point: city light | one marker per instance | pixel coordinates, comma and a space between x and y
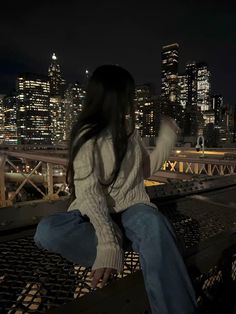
52, 106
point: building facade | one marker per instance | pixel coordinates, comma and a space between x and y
57, 108
183, 90
33, 111
203, 86
10, 125
57, 83
191, 110
217, 106
2, 119
169, 73
57, 116
73, 103
145, 110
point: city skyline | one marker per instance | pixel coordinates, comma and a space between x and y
84, 75
86, 35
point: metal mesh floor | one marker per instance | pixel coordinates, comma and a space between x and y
33, 280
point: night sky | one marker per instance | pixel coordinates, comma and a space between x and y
85, 34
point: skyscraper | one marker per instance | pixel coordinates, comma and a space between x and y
57, 83
191, 112
57, 118
203, 86
2, 118
183, 90
57, 108
10, 126
228, 124
217, 106
169, 73
145, 110
73, 102
33, 114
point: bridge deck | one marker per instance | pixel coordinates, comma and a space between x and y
34, 281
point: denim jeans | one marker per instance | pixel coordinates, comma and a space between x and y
167, 283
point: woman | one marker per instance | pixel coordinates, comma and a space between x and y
107, 167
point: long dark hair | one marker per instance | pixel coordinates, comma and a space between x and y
109, 102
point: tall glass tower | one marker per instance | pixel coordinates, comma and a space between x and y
203, 86
57, 83
57, 108
169, 72
33, 115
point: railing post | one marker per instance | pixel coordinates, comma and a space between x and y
164, 165
196, 168
51, 195
50, 178
209, 170
2, 181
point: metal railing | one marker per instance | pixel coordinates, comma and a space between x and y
210, 167
178, 165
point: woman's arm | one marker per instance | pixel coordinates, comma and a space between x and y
92, 202
164, 144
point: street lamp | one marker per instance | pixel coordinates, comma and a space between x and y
198, 146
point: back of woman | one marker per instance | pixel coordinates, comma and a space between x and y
107, 167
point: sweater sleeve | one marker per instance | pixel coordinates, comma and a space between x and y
164, 144
92, 202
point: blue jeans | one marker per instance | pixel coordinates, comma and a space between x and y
165, 276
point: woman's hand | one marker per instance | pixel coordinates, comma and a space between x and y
171, 123
101, 274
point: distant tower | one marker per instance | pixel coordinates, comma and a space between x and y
203, 86
57, 109
217, 106
191, 112
86, 78
87, 74
73, 102
33, 114
2, 118
57, 83
169, 73
183, 90
145, 110
10, 121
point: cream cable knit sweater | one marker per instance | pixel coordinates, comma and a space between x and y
97, 203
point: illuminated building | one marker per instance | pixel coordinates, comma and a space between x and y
191, 110
217, 106
228, 124
169, 73
209, 116
194, 94
57, 83
10, 126
33, 112
145, 110
73, 103
57, 117
57, 108
2, 118
183, 90
203, 86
